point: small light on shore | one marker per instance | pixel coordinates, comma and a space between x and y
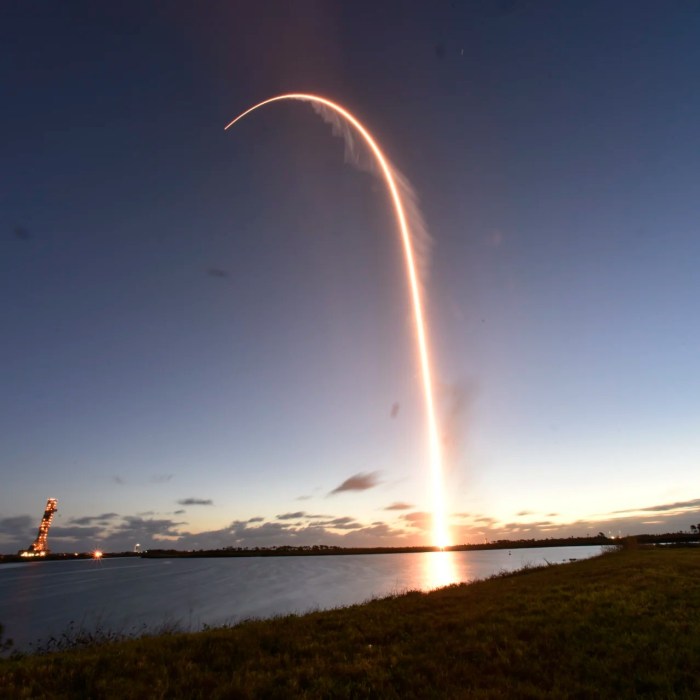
97, 554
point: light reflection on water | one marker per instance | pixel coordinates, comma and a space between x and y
441, 570
40, 599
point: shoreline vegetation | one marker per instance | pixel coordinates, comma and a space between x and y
625, 624
680, 538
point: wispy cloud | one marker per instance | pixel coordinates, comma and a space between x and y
196, 502
300, 514
485, 519
161, 478
358, 482
665, 508
118, 479
476, 517
90, 519
399, 505
344, 523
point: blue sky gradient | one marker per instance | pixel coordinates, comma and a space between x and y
193, 314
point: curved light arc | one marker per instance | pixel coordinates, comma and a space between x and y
440, 533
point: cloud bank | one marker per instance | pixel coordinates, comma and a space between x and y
403, 526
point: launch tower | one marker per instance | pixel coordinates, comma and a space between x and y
38, 548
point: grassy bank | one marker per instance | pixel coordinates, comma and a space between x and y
619, 626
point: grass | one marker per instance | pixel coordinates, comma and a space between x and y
623, 625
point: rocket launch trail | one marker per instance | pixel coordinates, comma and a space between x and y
440, 531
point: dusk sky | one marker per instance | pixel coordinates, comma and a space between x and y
207, 338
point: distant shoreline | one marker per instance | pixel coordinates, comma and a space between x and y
330, 550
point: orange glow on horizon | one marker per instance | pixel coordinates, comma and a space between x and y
440, 531
97, 554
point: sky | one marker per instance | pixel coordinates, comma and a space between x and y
207, 337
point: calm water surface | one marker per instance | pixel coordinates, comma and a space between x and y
40, 599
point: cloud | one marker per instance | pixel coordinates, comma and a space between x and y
196, 502
399, 505
379, 533
344, 523
665, 508
17, 529
358, 482
523, 513
161, 478
89, 519
300, 514
476, 518
656, 519
108, 531
74, 534
118, 479
308, 496
115, 533
136, 529
179, 511
418, 519
342, 531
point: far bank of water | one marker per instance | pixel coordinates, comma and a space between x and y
42, 599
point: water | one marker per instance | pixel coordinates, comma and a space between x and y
41, 599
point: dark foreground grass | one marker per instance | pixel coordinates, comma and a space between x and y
623, 625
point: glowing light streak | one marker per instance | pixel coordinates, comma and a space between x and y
440, 533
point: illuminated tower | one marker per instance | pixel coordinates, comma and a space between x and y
38, 548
